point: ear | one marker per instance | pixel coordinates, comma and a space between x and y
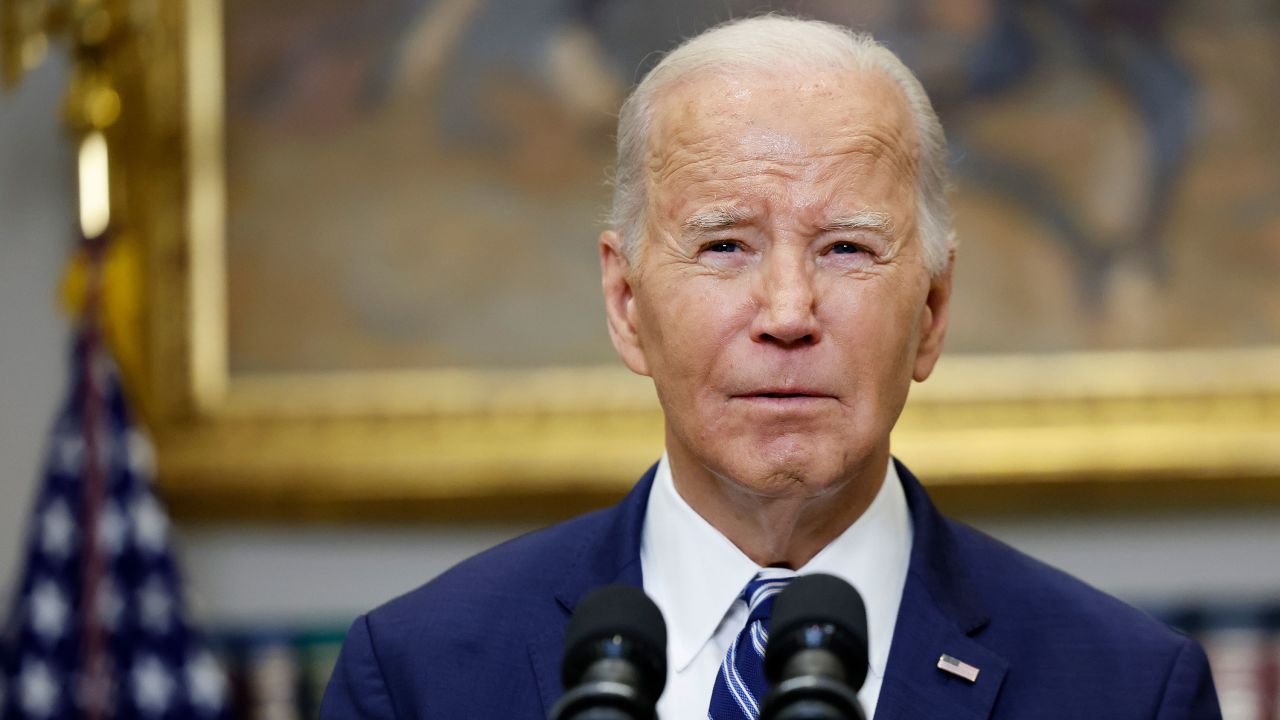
619, 302
933, 322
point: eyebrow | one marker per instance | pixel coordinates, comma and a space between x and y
862, 220
718, 219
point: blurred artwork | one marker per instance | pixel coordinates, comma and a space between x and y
420, 183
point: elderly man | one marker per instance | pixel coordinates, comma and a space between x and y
780, 266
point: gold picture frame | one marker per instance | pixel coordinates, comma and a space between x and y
1047, 432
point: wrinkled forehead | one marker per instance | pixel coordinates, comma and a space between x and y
779, 115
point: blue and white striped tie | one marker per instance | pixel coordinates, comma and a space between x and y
740, 684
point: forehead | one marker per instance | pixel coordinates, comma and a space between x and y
791, 127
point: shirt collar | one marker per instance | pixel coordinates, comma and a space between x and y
873, 555
694, 573
691, 571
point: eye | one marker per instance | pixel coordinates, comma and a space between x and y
845, 248
723, 246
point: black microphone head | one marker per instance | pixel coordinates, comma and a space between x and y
617, 621
818, 612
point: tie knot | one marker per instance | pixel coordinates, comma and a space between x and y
760, 592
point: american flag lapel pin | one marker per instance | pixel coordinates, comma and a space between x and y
959, 668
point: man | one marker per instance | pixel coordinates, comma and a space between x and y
780, 265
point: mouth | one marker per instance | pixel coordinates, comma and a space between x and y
785, 395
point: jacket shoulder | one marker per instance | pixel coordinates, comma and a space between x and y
1040, 598
460, 644
516, 572
1060, 635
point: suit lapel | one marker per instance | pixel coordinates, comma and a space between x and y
939, 616
914, 687
608, 555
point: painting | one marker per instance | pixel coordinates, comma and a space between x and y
406, 175
389, 291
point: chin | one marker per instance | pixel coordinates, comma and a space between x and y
791, 466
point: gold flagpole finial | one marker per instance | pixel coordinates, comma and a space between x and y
25, 30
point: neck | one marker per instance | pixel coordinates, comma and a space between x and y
778, 530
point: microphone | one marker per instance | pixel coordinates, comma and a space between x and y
615, 661
816, 657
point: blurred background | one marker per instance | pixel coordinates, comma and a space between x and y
418, 184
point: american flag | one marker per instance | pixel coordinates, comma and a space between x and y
96, 630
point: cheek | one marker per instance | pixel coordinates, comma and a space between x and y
689, 326
875, 326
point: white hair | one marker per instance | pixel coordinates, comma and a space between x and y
766, 43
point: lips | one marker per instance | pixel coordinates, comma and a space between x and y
785, 394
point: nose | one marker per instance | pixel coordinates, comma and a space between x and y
787, 302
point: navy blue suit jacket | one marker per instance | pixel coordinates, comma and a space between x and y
484, 640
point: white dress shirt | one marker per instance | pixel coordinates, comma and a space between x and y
695, 574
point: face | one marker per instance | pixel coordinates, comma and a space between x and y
779, 300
